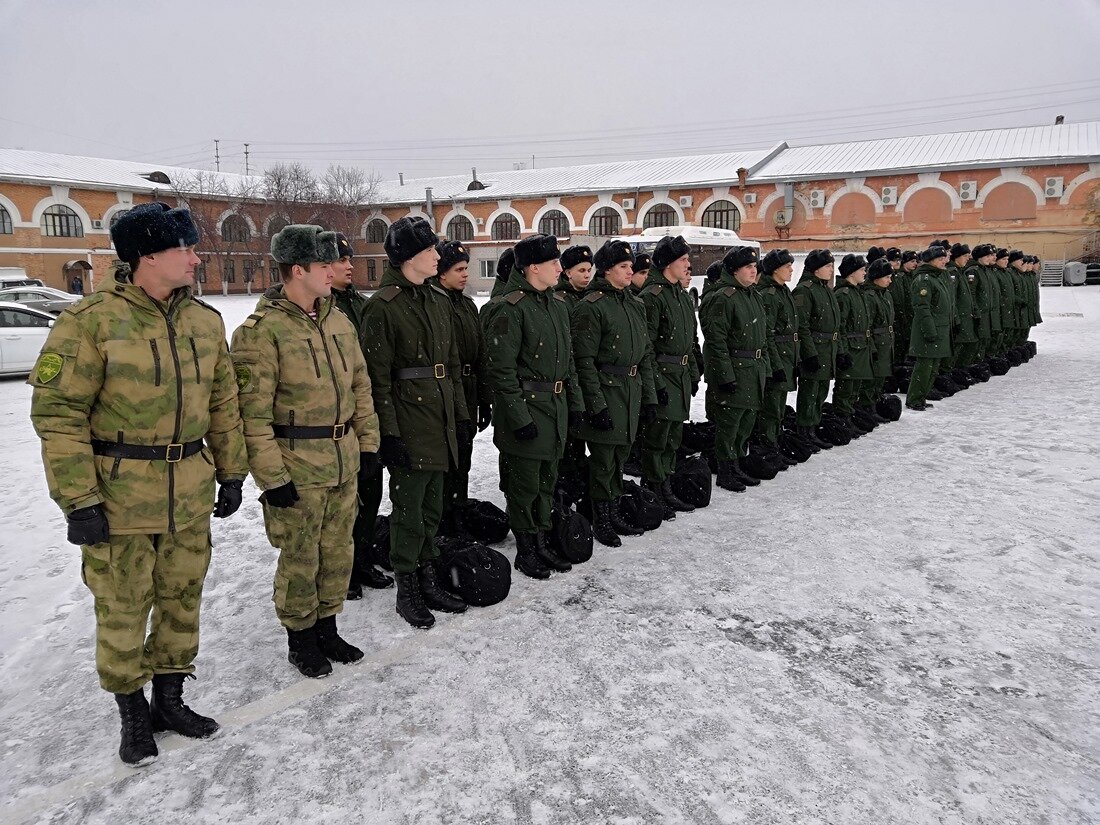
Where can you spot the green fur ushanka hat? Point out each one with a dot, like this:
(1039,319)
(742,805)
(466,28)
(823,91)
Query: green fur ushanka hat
(304,244)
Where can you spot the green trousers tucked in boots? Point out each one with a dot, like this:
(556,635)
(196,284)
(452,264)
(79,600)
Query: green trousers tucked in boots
(370,498)
(965,354)
(770,417)
(811,395)
(133,576)
(605,470)
(456,481)
(734,428)
(417,498)
(870,392)
(660,440)
(924,372)
(529,492)
(846,393)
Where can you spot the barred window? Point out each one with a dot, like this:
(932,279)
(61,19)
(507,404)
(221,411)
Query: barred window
(5,222)
(115,217)
(506,228)
(555,222)
(61,222)
(235,230)
(249,270)
(200,273)
(605,222)
(459,228)
(229,271)
(376,231)
(660,215)
(722,215)
(372,272)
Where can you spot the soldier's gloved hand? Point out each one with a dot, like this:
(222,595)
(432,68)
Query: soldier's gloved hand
(464,432)
(694,388)
(229,498)
(576,419)
(662,397)
(283,496)
(528,432)
(779,376)
(843,361)
(484,417)
(368,467)
(649,413)
(88,525)
(394,453)
(601,420)
(729,386)
(811,363)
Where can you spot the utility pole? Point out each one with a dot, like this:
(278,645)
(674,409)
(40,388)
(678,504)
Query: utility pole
(217,156)
(246,158)
(532,161)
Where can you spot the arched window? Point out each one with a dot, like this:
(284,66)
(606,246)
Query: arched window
(506,228)
(276,225)
(660,215)
(376,231)
(5,222)
(722,215)
(61,222)
(555,223)
(115,217)
(459,228)
(235,230)
(605,222)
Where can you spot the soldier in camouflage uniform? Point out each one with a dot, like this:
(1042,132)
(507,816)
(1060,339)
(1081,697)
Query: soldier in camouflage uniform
(312,438)
(453,269)
(353,304)
(421,405)
(130,381)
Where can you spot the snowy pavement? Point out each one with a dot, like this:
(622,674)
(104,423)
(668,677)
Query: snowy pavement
(899,631)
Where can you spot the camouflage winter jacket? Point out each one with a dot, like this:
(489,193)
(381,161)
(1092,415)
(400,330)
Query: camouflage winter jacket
(119,366)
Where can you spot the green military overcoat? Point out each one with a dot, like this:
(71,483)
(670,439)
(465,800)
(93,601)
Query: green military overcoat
(818,324)
(783,322)
(880,304)
(933,313)
(673,330)
(855,331)
(736,343)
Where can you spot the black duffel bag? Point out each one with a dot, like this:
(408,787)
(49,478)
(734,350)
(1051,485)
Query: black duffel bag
(477,574)
(889,407)
(570,533)
(699,436)
(485,522)
(832,429)
(759,467)
(691,481)
(998,365)
(639,507)
(380,547)
(794,446)
(903,374)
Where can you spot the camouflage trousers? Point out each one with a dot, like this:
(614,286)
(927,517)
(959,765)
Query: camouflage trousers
(132,576)
(316,551)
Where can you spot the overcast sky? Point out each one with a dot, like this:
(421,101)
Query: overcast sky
(437,87)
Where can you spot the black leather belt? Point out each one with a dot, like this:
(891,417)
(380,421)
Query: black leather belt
(882,330)
(786,339)
(333,431)
(682,360)
(747,353)
(434,371)
(555,387)
(858,335)
(615,369)
(824,336)
(167,452)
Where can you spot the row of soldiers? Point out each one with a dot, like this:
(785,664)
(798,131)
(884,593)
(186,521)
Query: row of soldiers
(142,408)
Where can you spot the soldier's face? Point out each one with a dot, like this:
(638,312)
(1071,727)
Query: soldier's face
(882,283)
(895,265)
(1002,263)
(939,263)
(784,273)
(421,266)
(745,275)
(987,260)
(675,270)
(341,273)
(316,281)
(544,275)
(620,274)
(962,260)
(639,278)
(824,273)
(455,278)
(909,266)
(580,276)
(171,268)
(859,276)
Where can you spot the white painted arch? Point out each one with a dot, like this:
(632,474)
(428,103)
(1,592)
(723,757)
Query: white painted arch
(600,204)
(649,204)
(853,186)
(1092,173)
(47,202)
(554,207)
(501,210)
(377,216)
(227,213)
(778,195)
(713,199)
(13,210)
(454,213)
(929,180)
(1011,176)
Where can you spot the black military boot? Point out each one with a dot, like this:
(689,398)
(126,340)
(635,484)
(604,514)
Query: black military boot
(305,655)
(410,602)
(811,437)
(547,555)
(168,712)
(602,529)
(727,479)
(366,575)
(672,500)
(332,646)
(667,512)
(137,747)
(744,477)
(935,395)
(527,557)
(621,525)
(872,414)
(435,597)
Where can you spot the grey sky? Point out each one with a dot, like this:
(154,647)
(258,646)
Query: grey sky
(437,87)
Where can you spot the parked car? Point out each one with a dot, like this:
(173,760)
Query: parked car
(45,298)
(23,331)
(19,278)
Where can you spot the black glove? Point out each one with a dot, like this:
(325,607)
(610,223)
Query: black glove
(368,466)
(729,386)
(464,432)
(810,364)
(649,413)
(601,420)
(779,376)
(576,419)
(843,361)
(282,496)
(694,388)
(394,453)
(484,417)
(662,397)
(88,525)
(528,432)
(229,498)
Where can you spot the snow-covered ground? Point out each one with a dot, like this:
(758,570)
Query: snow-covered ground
(900,631)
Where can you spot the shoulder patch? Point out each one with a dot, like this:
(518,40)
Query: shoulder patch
(653,289)
(388,293)
(515,297)
(496,299)
(243,374)
(255,318)
(729,291)
(439,289)
(86,303)
(560,296)
(48,367)
(592,297)
(203,303)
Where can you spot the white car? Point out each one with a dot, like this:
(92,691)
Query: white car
(23,331)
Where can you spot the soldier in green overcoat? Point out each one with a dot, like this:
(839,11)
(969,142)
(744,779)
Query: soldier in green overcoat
(778,268)
(614,361)
(536,399)
(421,406)
(673,331)
(1007,302)
(1015,271)
(964,332)
(984,293)
(353,304)
(639,274)
(819,325)
(130,383)
(933,315)
(880,304)
(736,344)
(903,310)
(576,263)
(855,346)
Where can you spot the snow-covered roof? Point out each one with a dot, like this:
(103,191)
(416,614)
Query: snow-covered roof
(1032,145)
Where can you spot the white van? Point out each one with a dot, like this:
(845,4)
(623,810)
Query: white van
(16,276)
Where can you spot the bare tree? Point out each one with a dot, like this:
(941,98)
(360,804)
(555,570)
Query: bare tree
(291,190)
(347,193)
